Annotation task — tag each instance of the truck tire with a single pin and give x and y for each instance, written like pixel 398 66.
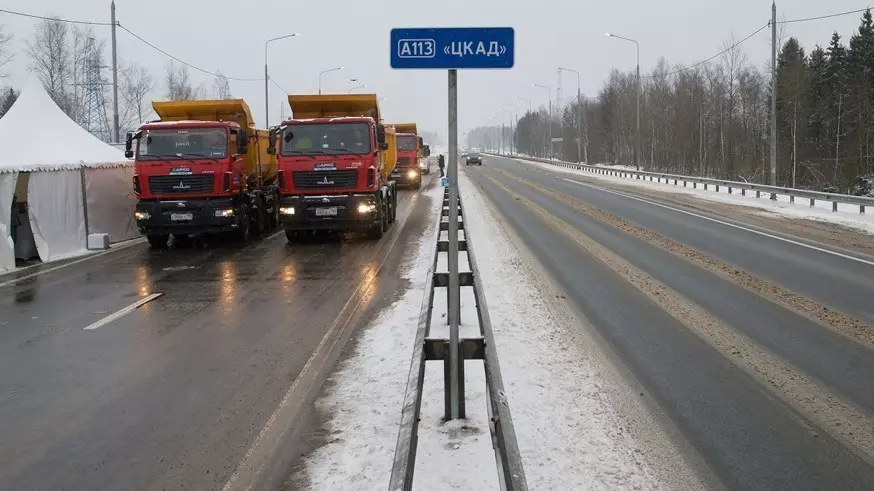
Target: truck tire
pixel 242 233
pixel 419 183
pixel 292 236
pixel 378 230
pixel 158 241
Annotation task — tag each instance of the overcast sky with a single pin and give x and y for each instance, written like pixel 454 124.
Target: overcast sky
pixel 229 35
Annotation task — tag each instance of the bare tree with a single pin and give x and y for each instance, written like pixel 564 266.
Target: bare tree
pixel 51 60
pixel 179 86
pixel 221 89
pixel 5 55
pixel 135 86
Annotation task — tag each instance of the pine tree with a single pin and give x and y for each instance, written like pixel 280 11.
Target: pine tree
pixel 7 100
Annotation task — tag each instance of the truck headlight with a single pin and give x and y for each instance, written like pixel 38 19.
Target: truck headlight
pixel 287 210
pixel 366 208
pixel 412 174
pixel 142 215
pixel 224 213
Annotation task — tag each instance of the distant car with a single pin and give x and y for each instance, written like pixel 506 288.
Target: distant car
pixel 474 159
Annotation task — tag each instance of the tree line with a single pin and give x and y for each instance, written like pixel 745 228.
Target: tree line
pixel 713 119
pixel 61 55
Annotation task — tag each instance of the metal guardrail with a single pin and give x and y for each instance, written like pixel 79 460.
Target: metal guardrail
pixel 771 191
pixel 507 456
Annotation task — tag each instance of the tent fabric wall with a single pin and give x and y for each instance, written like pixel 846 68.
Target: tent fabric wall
pixel 7 247
pixel 56 215
pixel 111 203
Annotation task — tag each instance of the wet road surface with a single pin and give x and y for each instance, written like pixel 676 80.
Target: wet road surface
pixel 758 352
pixel 174 394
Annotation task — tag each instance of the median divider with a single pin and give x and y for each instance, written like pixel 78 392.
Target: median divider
pixel 453 351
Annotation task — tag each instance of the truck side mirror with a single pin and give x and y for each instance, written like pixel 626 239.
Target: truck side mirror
pixel 128 145
pixel 426 150
pixel 242 142
pixel 421 142
pixel 380 135
pixel 383 146
pixel 271 141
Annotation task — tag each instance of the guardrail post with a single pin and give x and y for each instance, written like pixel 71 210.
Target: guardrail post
pixel 729 190
pixel 861 209
pixel 834 206
pixel 743 192
pixel 773 196
pixel 812 201
pixel 705 186
pixel 791 199
pixel 758 194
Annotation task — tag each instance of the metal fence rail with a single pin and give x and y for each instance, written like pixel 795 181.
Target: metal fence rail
pixel 744 187
pixel 507 456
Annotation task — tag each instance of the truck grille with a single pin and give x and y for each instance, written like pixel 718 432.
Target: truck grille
pixel 405 162
pixel 194 184
pixel 321 179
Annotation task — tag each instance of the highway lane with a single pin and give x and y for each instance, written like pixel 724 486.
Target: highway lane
pixel 174 394
pixel 679 327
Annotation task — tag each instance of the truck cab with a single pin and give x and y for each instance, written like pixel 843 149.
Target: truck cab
pixel 407 172
pixel 197 172
pixel 334 162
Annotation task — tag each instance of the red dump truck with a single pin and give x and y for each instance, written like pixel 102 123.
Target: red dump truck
pixel 335 162
pixel 203 168
pixel 410 148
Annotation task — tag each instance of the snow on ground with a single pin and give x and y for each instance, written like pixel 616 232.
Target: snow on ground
pixel 366 396
pixel 569 433
pixel 847 215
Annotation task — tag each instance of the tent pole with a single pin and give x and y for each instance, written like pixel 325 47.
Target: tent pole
pixel 84 204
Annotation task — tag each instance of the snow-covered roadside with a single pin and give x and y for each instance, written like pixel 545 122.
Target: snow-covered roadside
pixel 366 396
pixel 846 216
pixel 570 434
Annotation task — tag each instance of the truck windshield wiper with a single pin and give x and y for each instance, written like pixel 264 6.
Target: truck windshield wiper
pixel 197 155
pixel 300 152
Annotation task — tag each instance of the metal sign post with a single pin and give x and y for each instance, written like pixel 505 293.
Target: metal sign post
pixel 451 49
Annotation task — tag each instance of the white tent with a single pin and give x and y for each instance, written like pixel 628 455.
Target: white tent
pixel 49 159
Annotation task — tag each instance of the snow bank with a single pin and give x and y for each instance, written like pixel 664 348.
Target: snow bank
pixel 846 216
pixel 569 434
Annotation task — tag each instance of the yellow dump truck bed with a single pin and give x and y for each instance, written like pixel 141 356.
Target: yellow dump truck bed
pixel 390 156
pixel 258 162
pixel 334 105
pixel 406 128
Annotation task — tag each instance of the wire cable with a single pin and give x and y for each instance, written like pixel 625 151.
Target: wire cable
pixel 189 65
pixel 57 19
pixel 823 16
pixel 726 50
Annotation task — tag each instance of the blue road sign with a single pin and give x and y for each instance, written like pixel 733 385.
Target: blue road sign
pixel 446 48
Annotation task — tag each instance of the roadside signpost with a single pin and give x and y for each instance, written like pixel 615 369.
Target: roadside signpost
pixel 453 49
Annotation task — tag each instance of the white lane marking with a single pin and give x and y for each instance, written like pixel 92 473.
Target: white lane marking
pixel 728 224
pixel 249 469
pixel 121 313
pixel 132 243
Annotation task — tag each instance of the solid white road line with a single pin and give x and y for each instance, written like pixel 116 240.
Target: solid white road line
pixel 121 313
pixel 727 224
pixel 122 247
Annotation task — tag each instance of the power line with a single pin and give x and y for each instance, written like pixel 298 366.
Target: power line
pixel 277 85
pixel 189 65
pixel 726 50
pixel 56 19
pixel 823 16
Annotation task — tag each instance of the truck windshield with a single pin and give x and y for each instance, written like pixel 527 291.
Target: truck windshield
pixel 330 138
pixel 406 142
pixel 183 143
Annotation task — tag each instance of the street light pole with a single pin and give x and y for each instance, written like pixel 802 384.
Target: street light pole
pixel 549 121
pixel 579 116
pixel 324 72
pixel 637 139
pixel 513 143
pixel 267 78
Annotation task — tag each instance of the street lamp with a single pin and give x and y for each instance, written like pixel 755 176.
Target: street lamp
pixel 549 122
pixel 357 87
pixel 267 77
pixel 637 139
pixel 513 144
pixel 324 72
pixel 579 115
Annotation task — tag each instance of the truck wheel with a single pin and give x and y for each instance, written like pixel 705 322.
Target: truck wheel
pixel 419 183
pixel 242 233
pixel 158 241
pixel 292 236
pixel 378 230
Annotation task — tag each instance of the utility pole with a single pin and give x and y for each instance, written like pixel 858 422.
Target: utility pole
pixel 115 124
pixel 637 139
pixel 773 93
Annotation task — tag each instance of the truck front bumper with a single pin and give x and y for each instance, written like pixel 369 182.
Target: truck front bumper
pixel 195 216
pixel 406 176
pixel 354 212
